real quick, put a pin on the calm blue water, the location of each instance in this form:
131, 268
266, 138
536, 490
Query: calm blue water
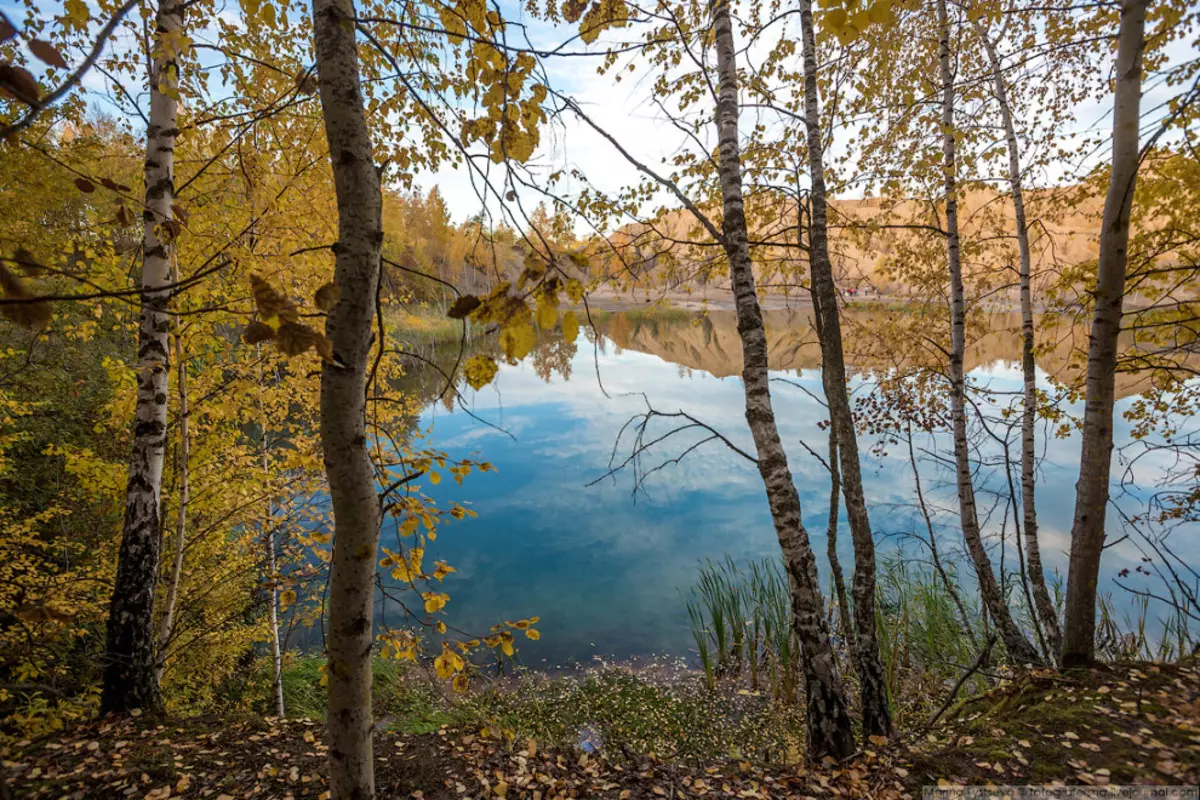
605, 569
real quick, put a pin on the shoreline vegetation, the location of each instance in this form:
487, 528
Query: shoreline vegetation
725, 722
615, 733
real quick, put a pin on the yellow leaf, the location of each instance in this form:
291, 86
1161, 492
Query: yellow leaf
547, 315
480, 371
435, 478
448, 663
517, 340
570, 326
434, 601
533, 634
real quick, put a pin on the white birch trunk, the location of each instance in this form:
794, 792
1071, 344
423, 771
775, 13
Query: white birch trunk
129, 671
1045, 610
343, 404
829, 730
1018, 646
167, 624
876, 712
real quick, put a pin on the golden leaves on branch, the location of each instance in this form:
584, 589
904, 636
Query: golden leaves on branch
602, 15
848, 19
279, 321
510, 129
516, 320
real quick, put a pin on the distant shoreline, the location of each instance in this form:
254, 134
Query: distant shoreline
717, 300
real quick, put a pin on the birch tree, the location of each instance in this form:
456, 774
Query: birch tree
1014, 639
129, 675
1047, 614
876, 715
343, 402
1092, 489
828, 720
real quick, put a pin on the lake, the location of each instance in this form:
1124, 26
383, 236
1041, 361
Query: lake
606, 568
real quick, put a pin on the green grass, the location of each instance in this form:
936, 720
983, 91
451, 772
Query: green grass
403, 694
677, 717
919, 627
657, 315
741, 626
424, 322
673, 715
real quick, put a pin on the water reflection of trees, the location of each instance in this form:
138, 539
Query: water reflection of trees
433, 373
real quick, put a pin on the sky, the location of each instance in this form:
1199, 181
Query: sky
626, 108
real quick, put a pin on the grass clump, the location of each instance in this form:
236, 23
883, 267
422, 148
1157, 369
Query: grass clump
625, 711
741, 625
405, 697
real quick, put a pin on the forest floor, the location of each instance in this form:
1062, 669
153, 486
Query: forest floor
1128, 724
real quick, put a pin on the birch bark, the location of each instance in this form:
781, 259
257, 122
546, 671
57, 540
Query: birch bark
129, 679
876, 713
348, 465
1046, 611
1091, 491
828, 721
1018, 646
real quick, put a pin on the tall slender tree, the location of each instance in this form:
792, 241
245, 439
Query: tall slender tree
344, 443
1047, 614
1015, 641
876, 713
1092, 489
183, 452
828, 720
129, 672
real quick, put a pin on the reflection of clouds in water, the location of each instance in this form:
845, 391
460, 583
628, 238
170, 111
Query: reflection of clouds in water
602, 567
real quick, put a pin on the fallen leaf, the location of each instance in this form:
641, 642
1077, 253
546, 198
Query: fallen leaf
47, 53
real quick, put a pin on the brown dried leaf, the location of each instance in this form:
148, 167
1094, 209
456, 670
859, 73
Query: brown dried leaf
294, 338
7, 31
18, 84
47, 52
84, 185
180, 213
327, 296
168, 230
306, 82
109, 183
463, 305
34, 315
258, 332
27, 263
324, 348
270, 302
10, 284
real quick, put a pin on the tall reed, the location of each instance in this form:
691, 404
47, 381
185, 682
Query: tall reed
741, 625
